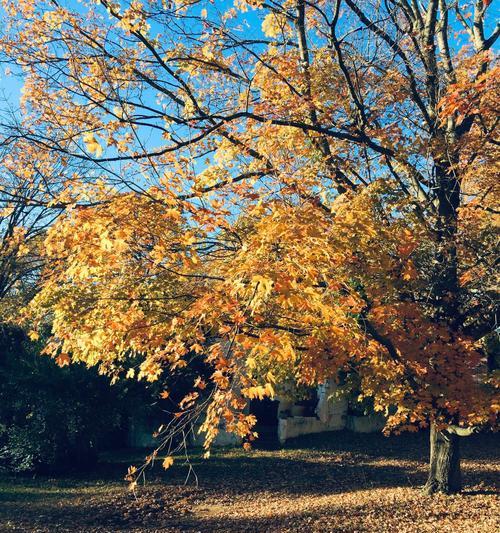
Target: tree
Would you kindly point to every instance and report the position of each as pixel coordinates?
(24, 217)
(35, 188)
(313, 196)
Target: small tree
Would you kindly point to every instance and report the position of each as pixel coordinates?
(24, 217)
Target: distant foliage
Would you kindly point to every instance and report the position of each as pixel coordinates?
(51, 418)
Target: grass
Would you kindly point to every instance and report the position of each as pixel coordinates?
(338, 482)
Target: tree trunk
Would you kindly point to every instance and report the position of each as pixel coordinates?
(444, 473)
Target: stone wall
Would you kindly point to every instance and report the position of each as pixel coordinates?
(330, 416)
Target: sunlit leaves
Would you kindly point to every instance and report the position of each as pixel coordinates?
(92, 144)
(269, 205)
(167, 462)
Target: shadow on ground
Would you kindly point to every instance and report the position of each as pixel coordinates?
(310, 483)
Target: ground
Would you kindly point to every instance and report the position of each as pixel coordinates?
(336, 482)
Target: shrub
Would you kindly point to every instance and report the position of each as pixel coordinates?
(51, 418)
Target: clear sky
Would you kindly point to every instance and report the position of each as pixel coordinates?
(10, 88)
(10, 85)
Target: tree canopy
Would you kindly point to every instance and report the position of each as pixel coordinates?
(285, 190)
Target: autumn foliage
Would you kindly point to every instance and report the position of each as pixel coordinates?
(315, 197)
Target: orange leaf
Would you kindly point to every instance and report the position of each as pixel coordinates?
(168, 462)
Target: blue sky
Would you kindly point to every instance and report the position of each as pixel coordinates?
(10, 85)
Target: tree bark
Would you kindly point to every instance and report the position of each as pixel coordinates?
(444, 472)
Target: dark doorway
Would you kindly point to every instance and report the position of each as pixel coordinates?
(266, 412)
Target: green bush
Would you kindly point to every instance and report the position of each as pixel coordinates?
(51, 418)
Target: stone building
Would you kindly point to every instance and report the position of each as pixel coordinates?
(280, 420)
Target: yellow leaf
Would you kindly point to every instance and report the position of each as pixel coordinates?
(92, 144)
(273, 24)
(33, 335)
(173, 214)
(168, 462)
